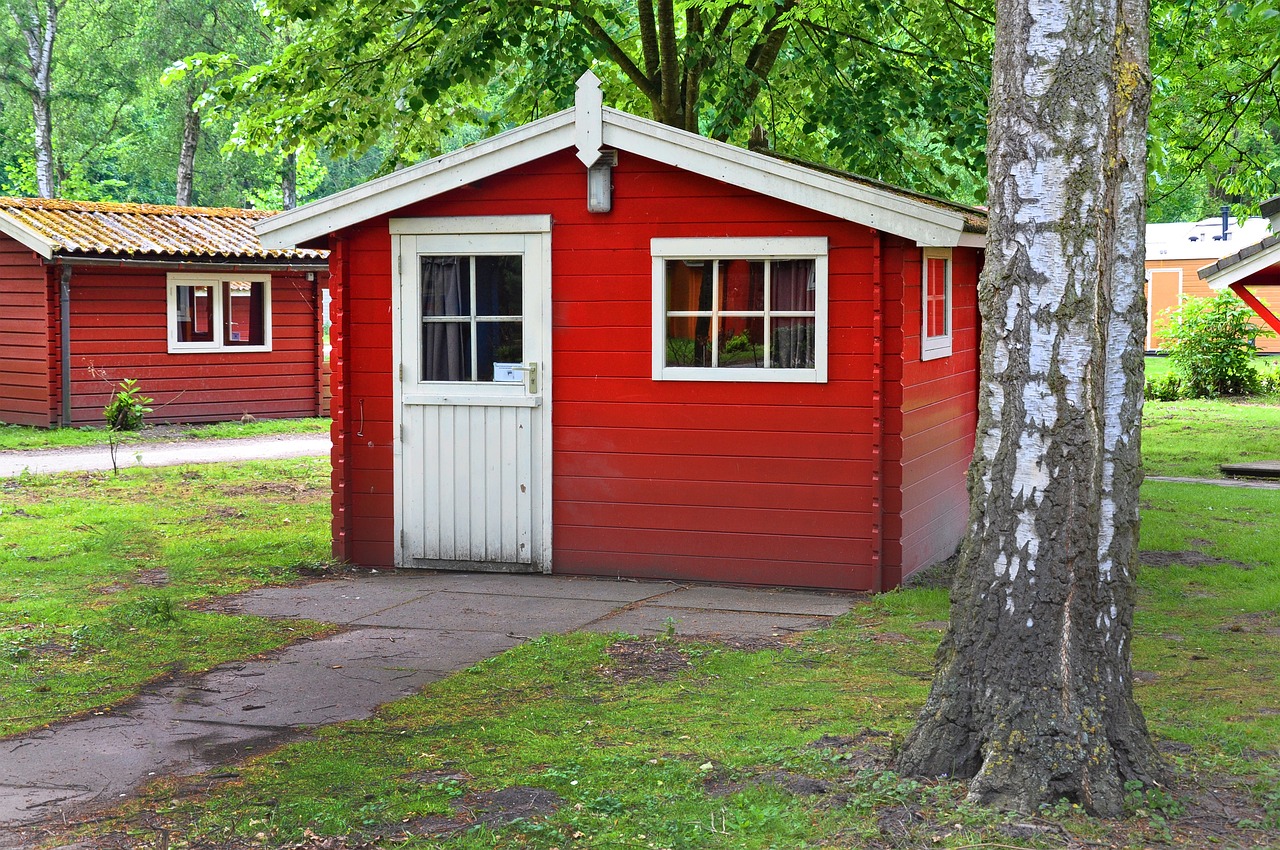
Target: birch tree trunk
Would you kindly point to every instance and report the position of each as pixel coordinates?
(1033, 695)
(38, 23)
(187, 154)
(289, 181)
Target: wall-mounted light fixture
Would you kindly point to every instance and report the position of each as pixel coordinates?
(600, 182)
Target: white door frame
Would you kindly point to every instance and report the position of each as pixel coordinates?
(403, 271)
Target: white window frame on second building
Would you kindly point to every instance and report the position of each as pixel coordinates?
(214, 281)
(935, 347)
(739, 248)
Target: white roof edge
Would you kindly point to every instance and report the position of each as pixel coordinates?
(417, 182)
(26, 236)
(925, 223)
(1247, 267)
(922, 222)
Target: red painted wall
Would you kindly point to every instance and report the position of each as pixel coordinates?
(118, 331)
(24, 336)
(751, 483)
(931, 416)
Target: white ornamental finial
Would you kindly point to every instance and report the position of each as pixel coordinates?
(588, 114)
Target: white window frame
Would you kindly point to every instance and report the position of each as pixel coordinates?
(214, 281)
(739, 248)
(935, 347)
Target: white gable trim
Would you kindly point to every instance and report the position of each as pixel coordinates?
(424, 180)
(27, 236)
(926, 224)
(1246, 268)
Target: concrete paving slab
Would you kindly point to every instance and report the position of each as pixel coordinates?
(764, 600)
(340, 601)
(653, 620)
(487, 612)
(98, 458)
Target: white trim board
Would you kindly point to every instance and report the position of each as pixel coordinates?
(25, 235)
(925, 223)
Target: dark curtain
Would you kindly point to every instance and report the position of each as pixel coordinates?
(446, 346)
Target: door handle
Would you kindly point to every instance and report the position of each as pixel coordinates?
(531, 370)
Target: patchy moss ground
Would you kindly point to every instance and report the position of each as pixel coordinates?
(605, 742)
(1191, 438)
(102, 577)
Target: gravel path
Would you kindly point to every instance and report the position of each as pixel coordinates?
(98, 458)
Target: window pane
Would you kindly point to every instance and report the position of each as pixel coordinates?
(498, 342)
(792, 345)
(936, 298)
(498, 290)
(741, 285)
(195, 313)
(794, 285)
(446, 286)
(741, 342)
(244, 318)
(446, 351)
(687, 341)
(688, 285)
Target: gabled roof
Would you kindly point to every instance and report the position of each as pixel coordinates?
(1202, 240)
(588, 126)
(53, 227)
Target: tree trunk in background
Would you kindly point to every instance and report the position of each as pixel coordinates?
(289, 181)
(1033, 694)
(187, 156)
(39, 32)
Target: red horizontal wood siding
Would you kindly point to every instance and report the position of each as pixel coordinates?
(731, 482)
(119, 330)
(930, 415)
(25, 339)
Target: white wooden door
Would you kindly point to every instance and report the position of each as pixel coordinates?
(473, 333)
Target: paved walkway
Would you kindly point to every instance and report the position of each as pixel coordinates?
(401, 632)
(207, 450)
(1221, 482)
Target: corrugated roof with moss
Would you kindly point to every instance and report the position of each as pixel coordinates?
(88, 228)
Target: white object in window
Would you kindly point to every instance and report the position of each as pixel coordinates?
(936, 307)
(740, 309)
(212, 312)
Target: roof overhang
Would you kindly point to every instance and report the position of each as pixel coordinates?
(26, 236)
(1244, 265)
(588, 123)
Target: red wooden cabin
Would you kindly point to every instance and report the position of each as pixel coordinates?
(183, 299)
(597, 345)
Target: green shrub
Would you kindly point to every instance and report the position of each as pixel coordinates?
(1165, 388)
(127, 408)
(1210, 342)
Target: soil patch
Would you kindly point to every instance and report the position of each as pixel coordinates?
(655, 660)
(275, 488)
(493, 809)
(867, 749)
(153, 577)
(1189, 558)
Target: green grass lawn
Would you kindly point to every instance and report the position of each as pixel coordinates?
(670, 743)
(16, 437)
(102, 577)
(1191, 438)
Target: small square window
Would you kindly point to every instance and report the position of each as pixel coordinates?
(740, 309)
(212, 313)
(936, 305)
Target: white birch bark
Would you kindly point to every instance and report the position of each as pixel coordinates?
(1033, 694)
(187, 154)
(38, 23)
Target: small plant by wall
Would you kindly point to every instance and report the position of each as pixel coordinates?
(124, 412)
